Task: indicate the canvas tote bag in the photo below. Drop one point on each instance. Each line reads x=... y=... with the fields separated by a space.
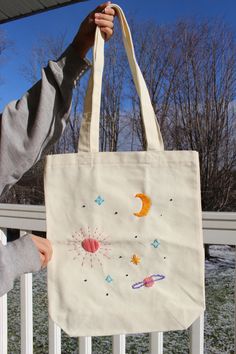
x=125 y=227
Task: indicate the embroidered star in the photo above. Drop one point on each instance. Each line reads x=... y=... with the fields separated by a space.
x=155 y=243
x=99 y=200
x=135 y=259
x=109 y=279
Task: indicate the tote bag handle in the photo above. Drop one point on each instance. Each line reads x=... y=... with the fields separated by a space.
x=89 y=131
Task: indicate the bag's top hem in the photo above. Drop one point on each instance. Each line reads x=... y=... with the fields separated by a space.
x=129 y=158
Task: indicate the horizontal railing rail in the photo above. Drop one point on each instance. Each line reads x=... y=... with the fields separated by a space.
x=218 y=228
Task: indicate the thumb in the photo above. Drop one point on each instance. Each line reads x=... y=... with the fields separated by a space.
x=42 y=259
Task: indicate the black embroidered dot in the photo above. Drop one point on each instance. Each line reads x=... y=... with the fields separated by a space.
x=164 y=257
x=85 y=279
x=107 y=294
x=83 y=206
x=116 y=213
x=136 y=236
x=120 y=257
x=161 y=215
x=127 y=275
x=171 y=200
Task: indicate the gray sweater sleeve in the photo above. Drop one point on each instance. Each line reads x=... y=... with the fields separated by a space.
x=16 y=258
x=27 y=127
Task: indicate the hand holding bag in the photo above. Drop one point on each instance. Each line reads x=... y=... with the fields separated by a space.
x=125 y=226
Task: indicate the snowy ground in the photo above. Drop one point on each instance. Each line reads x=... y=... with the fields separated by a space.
x=219 y=316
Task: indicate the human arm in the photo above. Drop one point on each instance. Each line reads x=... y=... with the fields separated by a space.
x=17 y=258
x=29 y=125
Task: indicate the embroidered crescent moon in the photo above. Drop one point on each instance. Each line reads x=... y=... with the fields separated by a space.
x=146 y=204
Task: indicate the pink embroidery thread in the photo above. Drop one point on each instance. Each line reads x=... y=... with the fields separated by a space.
x=89 y=245
x=148 y=281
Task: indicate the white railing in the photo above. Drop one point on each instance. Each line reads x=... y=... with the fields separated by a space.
x=218 y=228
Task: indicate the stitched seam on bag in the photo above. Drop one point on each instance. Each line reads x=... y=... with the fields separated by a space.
x=120 y=164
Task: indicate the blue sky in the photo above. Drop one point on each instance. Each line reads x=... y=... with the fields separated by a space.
x=25 y=32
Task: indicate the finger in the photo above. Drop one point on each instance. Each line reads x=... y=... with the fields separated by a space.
x=49 y=249
x=108 y=32
x=45 y=263
x=103 y=23
x=44 y=247
x=42 y=259
x=105 y=17
x=46 y=256
x=109 y=11
x=101 y=7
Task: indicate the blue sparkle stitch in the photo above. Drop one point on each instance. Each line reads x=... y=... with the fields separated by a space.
x=109 y=279
x=99 y=200
x=155 y=243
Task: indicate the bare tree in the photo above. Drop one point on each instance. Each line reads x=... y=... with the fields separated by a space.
x=50 y=48
x=190 y=70
x=193 y=91
x=156 y=55
x=203 y=115
x=47 y=48
x=111 y=125
x=5 y=45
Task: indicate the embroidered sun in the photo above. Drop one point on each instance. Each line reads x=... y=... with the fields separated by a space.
x=89 y=246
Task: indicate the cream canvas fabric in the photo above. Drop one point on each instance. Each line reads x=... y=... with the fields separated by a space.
x=125 y=226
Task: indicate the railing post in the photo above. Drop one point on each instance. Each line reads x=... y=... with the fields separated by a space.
x=219 y=228
x=156 y=342
x=235 y=309
x=118 y=344
x=197 y=336
x=54 y=337
x=26 y=312
x=3 y=306
x=85 y=345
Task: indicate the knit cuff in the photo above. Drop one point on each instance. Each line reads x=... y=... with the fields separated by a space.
x=24 y=256
x=72 y=64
